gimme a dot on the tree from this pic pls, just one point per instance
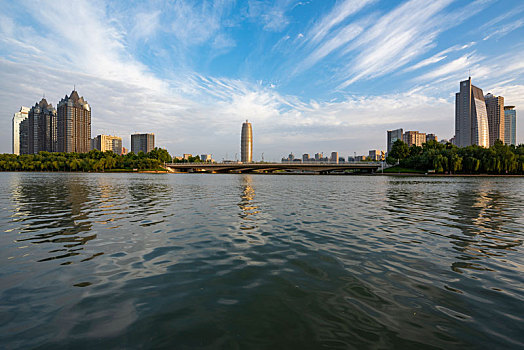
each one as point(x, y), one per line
point(399, 151)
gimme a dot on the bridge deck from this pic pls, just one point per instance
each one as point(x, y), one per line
point(270, 167)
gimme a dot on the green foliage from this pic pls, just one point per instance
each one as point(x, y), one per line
point(191, 159)
point(399, 151)
point(498, 159)
point(92, 161)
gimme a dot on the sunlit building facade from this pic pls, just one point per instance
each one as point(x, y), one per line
point(471, 116)
point(19, 131)
point(107, 143)
point(74, 124)
point(246, 143)
point(414, 138)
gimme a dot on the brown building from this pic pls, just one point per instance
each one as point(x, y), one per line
point(107, 143)
point(414, 138)
point(495, 109)
point(74, 124)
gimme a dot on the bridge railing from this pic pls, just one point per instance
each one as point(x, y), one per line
point(269, 164)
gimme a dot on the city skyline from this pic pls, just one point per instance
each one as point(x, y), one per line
point(310, 76)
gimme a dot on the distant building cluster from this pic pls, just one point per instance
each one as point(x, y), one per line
point(66, 129)
point(44, 128)
point(479, 120)
point(409, 137)
point(374, 155)
point(482, 119)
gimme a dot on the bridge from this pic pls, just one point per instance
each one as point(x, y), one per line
point(237, 167)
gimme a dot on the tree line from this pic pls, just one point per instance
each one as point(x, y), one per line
point(450, 159)
point(92, 161)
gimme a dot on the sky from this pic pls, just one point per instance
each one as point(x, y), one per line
point(311, 76)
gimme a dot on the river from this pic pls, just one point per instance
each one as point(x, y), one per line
point(260, 261)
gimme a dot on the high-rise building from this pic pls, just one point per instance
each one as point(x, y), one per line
point(495, 109)
point(41, 128)
point(19, 136)
point(334, 157)
point(142, 142)
point(414, 138)
point(319, 157)
point(394, 135)
point(246, 143)
point(74, 124)
point(107, 143)
point(431, 137)
point(305, 157)
point(510, 125)
point(471, 117)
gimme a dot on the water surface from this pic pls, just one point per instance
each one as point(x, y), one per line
point(255, 261)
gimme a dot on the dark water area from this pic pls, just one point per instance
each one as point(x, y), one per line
point(260, 262)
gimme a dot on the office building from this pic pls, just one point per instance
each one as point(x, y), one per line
point(471, 116)
point(510, 125)
point(334, 157)
point(495, 110)
point(107, 143)
point(394, 135)
point(377, 155)
point(142, 142)
point(431, 137)
point(19, 131)
point(305, 157)
point(414, 138)
point(74, 124)
point(246, 143)
point(41, 128)
point(319, 157)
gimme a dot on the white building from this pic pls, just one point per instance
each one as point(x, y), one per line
point(18, 118)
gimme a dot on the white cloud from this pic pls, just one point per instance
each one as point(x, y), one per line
point(337, 15)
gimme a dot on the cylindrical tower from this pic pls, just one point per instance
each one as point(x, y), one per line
point(246, 143)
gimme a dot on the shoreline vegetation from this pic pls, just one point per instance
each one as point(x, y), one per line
point(446, 159)
point(93, 161)
point(432, 159)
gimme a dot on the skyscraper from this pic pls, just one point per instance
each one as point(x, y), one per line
point(41, 128)
point(107, 143)
point(394, 135)
point(74, 124)
point(142, 142)
point(246, 143)
point(19, 135)
point(471, 117)
point(510, 125)
point(495, 109)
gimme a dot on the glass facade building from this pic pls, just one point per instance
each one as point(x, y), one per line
point(471, 116)
point(510, 125)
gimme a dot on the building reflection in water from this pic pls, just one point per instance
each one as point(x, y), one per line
point(477, 218)
point(485, 219)
point(53, 210)
point(248, 208)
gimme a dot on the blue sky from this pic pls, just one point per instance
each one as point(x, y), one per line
point(312, 76)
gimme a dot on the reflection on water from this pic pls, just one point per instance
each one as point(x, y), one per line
point(248, 261)
point(247, 204)
point(53, 211)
